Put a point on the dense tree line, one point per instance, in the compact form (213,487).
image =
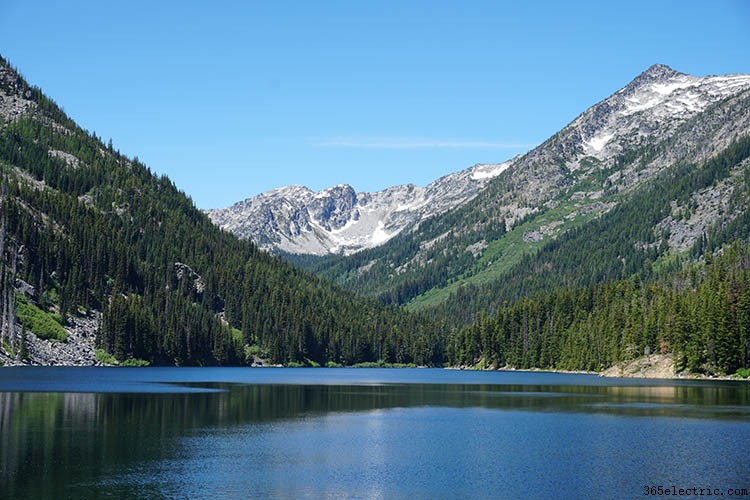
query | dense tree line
(102,232)
(9,254)
(701,315)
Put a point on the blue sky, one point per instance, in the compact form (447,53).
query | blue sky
(233,98)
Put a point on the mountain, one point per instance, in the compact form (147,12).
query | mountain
(650,136)
(338,220)
(626,233)
(97,252)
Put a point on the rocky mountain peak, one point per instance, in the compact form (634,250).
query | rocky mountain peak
(651,106)
(659,72)
(333,207)
(655,74)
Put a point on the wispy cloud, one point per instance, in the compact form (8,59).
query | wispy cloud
(410,143)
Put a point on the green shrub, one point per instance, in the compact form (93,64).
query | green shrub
(251,351)
(237,335)
(51,296)
(743,373)
(9,349)
(43,324)
(383,364)
(333,364)
(103,356)
(134,362)
(368,364)
(306,363)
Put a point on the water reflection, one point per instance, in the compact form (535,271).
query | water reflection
(57,445)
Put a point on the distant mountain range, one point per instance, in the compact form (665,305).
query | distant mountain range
(479,231)
(338,220)
(647,111)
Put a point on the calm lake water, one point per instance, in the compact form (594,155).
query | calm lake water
(363,433)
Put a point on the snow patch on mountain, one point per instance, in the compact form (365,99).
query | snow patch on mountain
(489,171)
(684,93)
(380,235)
(668,88)
(598,142)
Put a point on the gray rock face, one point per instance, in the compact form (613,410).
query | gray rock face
(334,207)
(185,271)
(77,350)
(14,101)
(713,205)
(340,220)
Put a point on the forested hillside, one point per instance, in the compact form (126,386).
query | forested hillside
(700,315)
(615,289)
(85,228)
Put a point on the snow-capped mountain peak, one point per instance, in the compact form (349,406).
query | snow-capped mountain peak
(660,98)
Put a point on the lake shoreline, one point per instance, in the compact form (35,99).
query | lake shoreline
(655,367)
(631,369)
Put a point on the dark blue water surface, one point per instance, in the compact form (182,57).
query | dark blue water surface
(364,433)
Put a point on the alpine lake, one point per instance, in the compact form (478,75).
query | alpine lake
(366,433)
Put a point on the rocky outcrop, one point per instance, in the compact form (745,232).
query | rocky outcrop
(183,271)
(657,366)
(718,204)
(15,98)
(77,350)
(652,366)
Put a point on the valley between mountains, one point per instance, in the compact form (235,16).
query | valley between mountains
(624,234)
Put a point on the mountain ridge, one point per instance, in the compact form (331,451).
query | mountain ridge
(659,100)
(295,219)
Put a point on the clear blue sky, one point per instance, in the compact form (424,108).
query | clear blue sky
(233,98)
